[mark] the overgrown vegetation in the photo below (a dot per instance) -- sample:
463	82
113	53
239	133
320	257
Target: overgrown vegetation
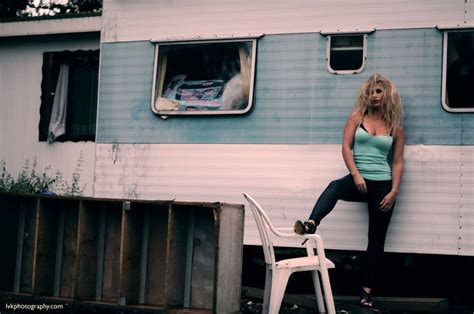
47	8
45	182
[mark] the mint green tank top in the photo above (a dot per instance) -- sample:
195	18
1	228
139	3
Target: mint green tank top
371	155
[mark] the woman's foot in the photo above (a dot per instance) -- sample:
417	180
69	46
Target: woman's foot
307	227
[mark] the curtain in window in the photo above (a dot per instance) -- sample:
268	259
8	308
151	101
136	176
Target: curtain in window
245	56
57	122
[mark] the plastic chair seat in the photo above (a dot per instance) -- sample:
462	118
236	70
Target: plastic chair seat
303	263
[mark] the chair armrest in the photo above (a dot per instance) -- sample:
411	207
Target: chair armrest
303	238
285	230
288	233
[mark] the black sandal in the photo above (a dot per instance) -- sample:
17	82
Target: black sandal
307	227
366	300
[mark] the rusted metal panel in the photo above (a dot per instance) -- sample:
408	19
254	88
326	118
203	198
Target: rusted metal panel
69	261
203	262
230	233
68	265
112	274
132	222
10	211
45	249
88	226
176	256
26	279
157	256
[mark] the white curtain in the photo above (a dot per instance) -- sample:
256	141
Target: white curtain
57	122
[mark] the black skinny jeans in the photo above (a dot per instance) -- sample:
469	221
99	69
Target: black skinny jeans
345	189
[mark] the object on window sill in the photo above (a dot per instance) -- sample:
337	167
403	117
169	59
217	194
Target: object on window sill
162	103
182	95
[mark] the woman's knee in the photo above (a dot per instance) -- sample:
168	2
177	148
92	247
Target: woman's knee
334	185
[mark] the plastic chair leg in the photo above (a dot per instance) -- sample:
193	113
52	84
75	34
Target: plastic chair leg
279	282
328	292
267	290
317	290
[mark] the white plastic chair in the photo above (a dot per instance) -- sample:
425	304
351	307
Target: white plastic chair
278	272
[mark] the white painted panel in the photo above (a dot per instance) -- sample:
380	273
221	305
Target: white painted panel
54	26
286	180
20	77
470	12
466	216
160	19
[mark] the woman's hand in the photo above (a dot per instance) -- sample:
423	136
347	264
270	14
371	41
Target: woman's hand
387	203
360	184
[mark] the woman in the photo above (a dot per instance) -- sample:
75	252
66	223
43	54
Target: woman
373	136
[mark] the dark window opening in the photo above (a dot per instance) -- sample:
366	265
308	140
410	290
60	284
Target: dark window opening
346	53
80	96
460	70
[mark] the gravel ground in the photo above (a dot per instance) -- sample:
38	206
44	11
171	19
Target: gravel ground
254	306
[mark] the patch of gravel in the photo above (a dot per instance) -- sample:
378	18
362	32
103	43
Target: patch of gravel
249	305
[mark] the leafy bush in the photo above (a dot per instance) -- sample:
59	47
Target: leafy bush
6	180
32	181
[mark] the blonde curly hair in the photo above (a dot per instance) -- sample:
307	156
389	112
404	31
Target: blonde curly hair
392	109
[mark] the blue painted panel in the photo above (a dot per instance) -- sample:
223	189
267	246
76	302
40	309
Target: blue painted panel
125	95
296	99
413	60
468	129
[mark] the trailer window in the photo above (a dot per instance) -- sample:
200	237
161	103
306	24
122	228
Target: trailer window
346	54
204	78
458	71
69	90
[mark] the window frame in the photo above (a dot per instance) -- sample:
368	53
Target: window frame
444	72
167	113
364	52
48	85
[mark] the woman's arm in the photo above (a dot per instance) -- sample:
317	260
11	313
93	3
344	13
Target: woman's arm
347	144
397	169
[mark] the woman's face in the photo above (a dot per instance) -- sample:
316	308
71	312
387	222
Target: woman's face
376	96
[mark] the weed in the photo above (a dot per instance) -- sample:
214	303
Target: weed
32	181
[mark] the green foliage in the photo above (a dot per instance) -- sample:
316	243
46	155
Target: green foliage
74	189
32	181
6	180
14	9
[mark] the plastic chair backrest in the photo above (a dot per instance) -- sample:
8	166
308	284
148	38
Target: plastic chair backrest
263	225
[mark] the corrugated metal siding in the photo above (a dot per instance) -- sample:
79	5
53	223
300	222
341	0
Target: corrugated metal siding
467	129
146	19
21	61
287	179
466	217
54	26
469	16
296	99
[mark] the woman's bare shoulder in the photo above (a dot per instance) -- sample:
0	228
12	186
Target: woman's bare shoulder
355	116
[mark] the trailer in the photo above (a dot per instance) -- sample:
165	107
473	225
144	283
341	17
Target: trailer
204	101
